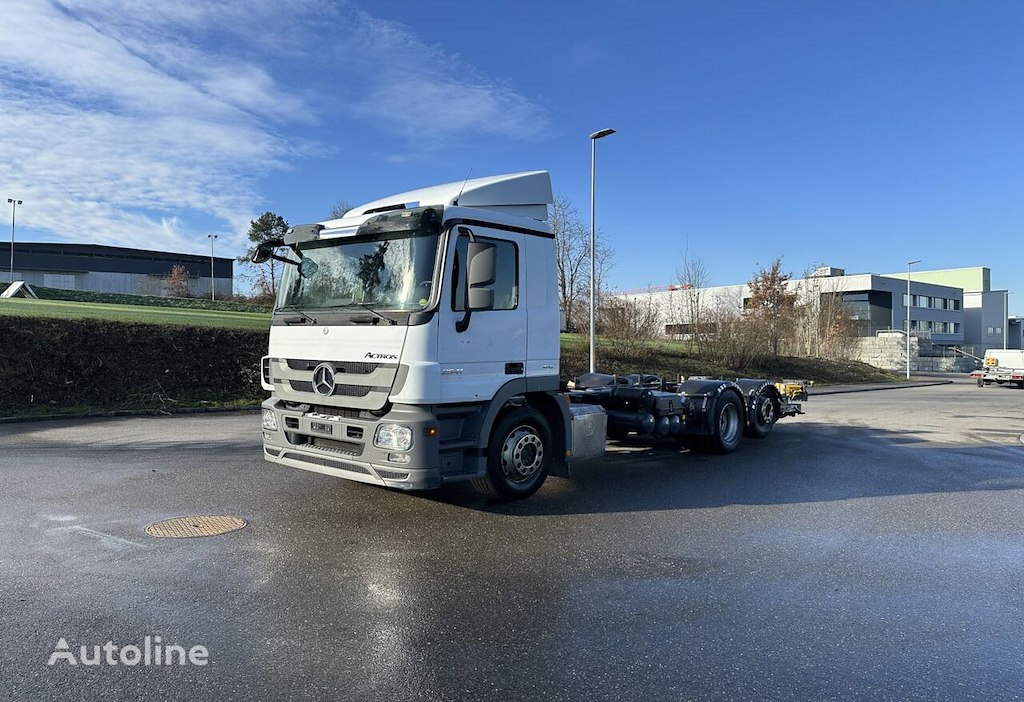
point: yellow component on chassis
(794, 389)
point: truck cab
(404, 332)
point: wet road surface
(871, 549)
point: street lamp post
(909, 264)
(213, 293)
(593, 243)
(14, 209)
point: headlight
(393, 436)
(269, 420)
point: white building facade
(943, 313)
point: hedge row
(55, 363)
(197, 303)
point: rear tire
(519, 455)
(727, 421)
(763, 417)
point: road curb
(126, 413)
(840, 389)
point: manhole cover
(187, 527)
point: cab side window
(506, 277)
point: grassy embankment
(671, 359)
(72, 357)
(61, 309)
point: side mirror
(480, 276)
(265, 250)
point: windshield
(384, 272)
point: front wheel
(519, 455)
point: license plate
(321, 427)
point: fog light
(269, 420)
(396, 437)
(398, 457)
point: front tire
(519, 455)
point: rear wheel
(519, 455)
(763, 417)
(727, 422)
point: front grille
(353, 367)
(343, 447)
(336, 411)
(327, 463)
(392, 474)
(344, 390)
(352, 390)
(273, 451)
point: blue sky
(858, 134)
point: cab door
(492, 348)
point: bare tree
(339, 210)
(631, 319)
(693, 280)
(772, 304)
(572, 252)
(731, 339)
(177, 282)
(824, 323)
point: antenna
(463, 187)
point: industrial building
(953, 307)
(115, 269)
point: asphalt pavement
(870, 549)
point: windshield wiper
(371, 311)
(302, 316)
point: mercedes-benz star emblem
(323, 379)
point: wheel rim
(522, 454)
(766, 413)
(729, 424)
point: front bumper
(339, 443)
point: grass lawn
(135, 313)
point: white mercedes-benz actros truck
(415, 342)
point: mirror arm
(289, 261)
(268, 247)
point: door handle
(514, 368)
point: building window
(954, 327)
(995, 331)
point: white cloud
(421, 91)
(151, 125)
